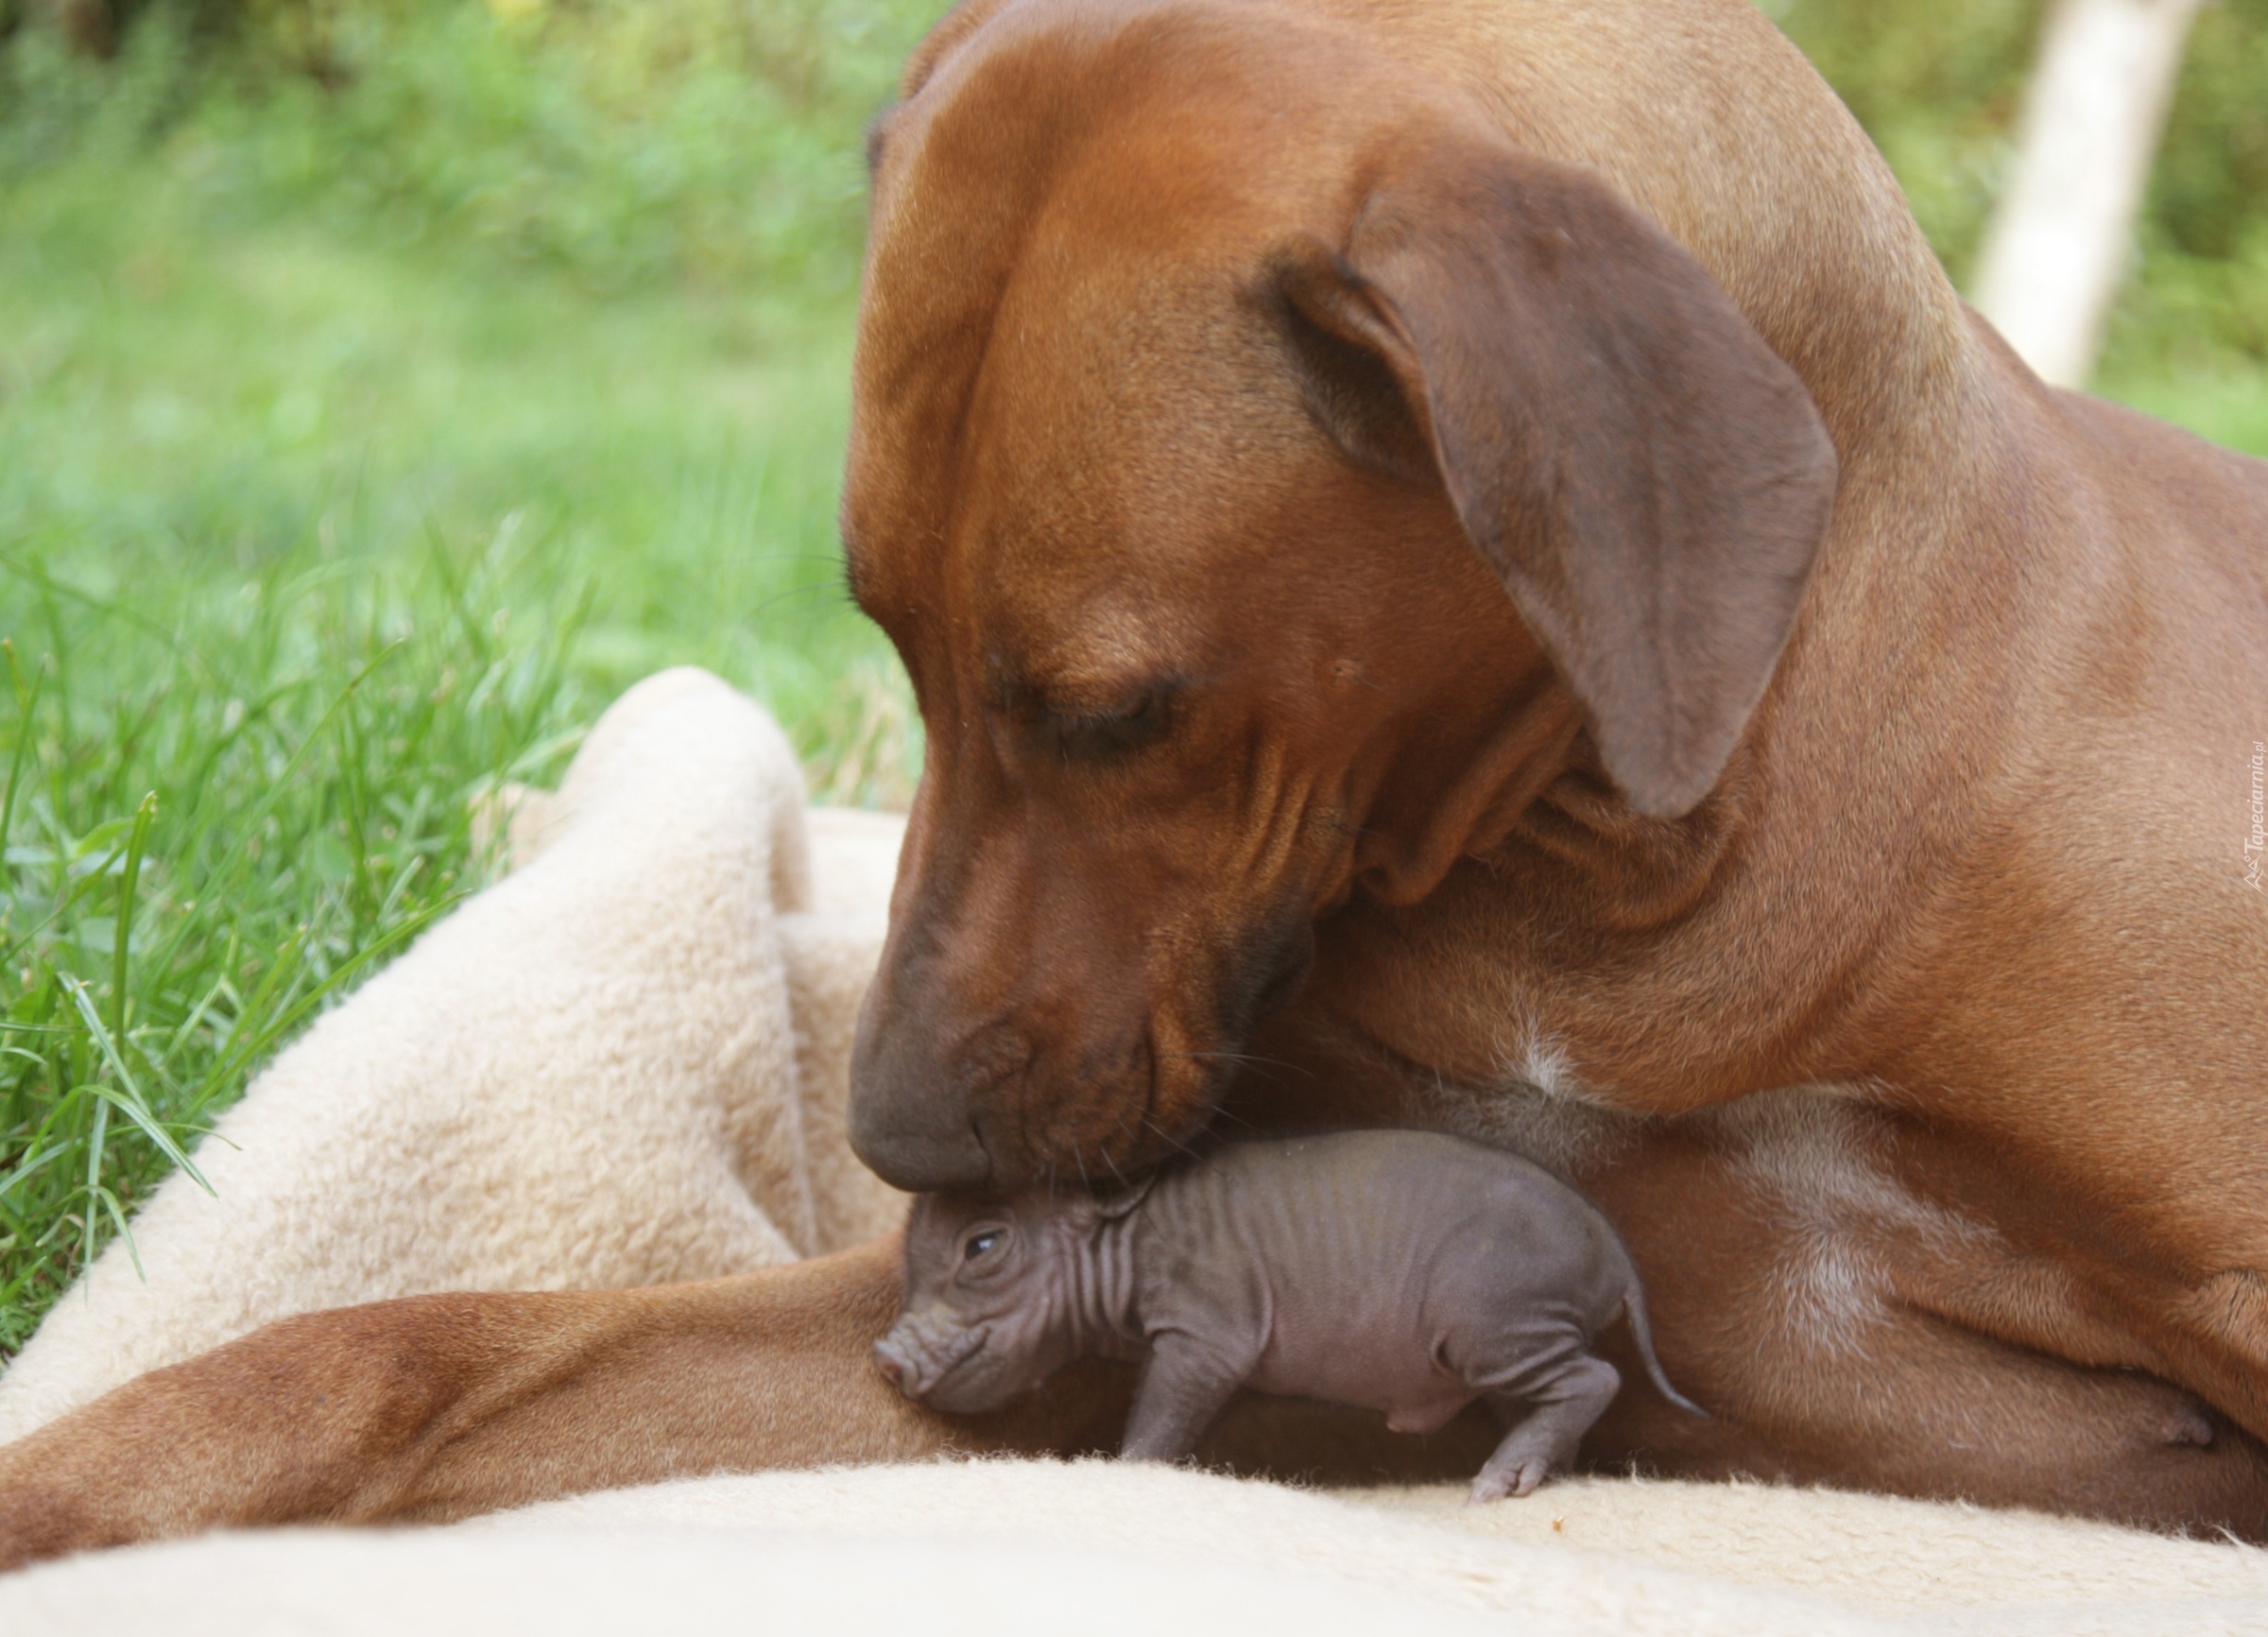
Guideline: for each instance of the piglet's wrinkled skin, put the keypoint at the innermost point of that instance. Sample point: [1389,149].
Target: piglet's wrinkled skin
[1396,1271]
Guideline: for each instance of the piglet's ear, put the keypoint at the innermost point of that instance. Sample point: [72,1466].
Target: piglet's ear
[1119,1205]
[1650,480]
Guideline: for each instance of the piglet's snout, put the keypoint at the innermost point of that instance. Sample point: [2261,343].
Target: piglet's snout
[899,1363]
[892,1368]
[917,1363]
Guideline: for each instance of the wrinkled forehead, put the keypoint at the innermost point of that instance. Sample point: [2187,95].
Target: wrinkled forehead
[1060,340]
[1123,452]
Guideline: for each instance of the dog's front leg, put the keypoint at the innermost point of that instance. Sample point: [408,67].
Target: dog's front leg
[440,1407]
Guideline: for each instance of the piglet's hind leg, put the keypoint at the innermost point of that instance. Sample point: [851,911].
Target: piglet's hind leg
[1561,1408]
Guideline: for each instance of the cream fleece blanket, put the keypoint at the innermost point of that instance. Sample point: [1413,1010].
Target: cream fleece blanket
[626,1063]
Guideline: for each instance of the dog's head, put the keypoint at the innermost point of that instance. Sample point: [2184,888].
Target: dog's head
[1267,474]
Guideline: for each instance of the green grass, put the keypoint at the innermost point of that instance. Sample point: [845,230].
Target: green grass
[387,384]
[356,446]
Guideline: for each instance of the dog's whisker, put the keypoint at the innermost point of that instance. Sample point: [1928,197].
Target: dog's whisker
[1110,1161]
[1247,1059]
[1173,1141]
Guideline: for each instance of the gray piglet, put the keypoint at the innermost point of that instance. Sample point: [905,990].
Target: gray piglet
[1396,1271]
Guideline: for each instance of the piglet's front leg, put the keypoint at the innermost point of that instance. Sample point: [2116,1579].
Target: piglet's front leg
[1186,1384]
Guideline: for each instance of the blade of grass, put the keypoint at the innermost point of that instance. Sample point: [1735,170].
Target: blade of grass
[31,1166]
[97,1141]
[236,1054]
[135,843]
[128,1096]
[288,1018]
[250,823]
[110,1203]
[88,881]
[28,704]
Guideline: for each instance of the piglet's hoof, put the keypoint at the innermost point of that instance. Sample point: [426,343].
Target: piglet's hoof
[1519,1479]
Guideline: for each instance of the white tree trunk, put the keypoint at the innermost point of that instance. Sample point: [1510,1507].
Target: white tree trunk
[2093,114]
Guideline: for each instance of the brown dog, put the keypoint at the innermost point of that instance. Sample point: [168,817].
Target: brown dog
[1463,565]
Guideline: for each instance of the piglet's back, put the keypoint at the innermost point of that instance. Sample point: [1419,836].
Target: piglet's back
[1378,1232]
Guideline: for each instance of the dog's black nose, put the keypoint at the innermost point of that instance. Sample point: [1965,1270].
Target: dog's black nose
[912,1117]
[918,1138]
[920,1164]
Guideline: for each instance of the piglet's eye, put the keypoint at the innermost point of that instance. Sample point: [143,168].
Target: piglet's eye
[980,1243]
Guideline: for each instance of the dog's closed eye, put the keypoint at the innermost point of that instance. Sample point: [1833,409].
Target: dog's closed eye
[1098,733]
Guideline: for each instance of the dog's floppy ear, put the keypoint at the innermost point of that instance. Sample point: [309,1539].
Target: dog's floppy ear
[1649,478]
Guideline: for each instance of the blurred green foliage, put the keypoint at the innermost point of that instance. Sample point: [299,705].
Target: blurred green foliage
[1939,84]
[711,141]
[2205,284]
